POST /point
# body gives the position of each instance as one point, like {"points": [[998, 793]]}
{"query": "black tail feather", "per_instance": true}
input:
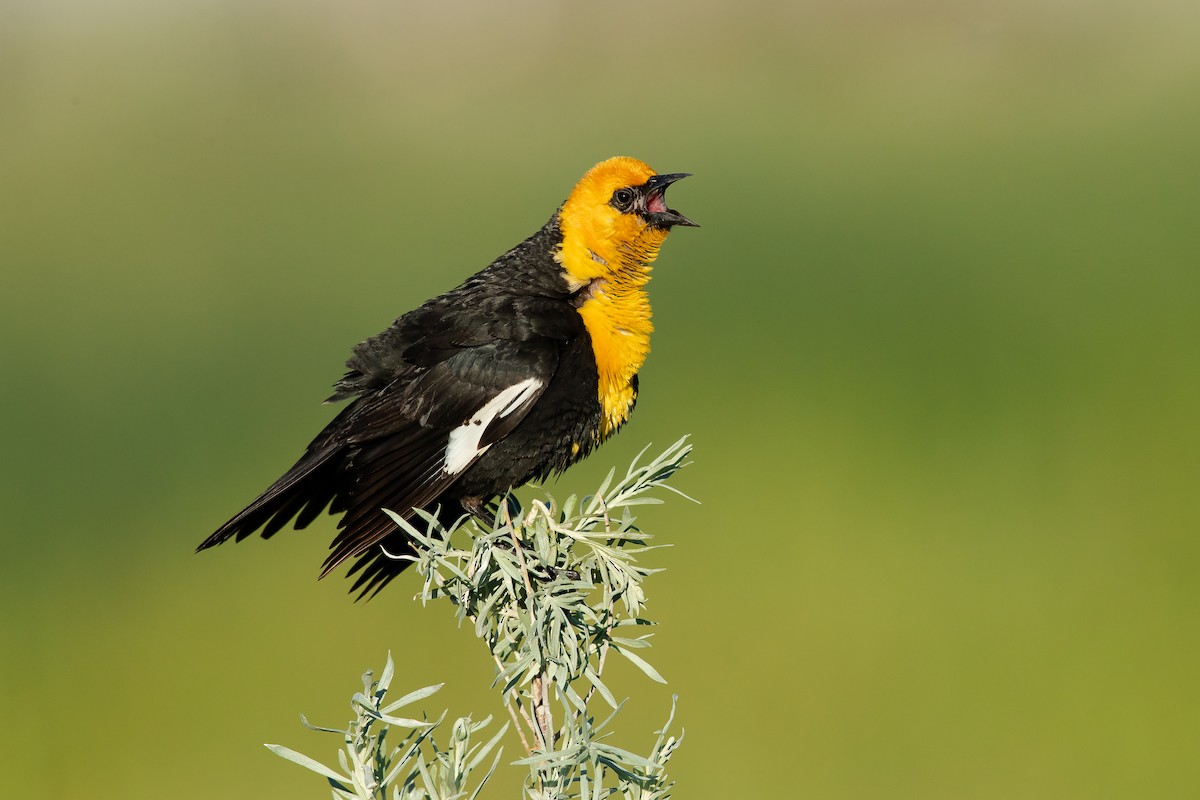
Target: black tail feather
{"points": [[377, 566], [312, 481]]}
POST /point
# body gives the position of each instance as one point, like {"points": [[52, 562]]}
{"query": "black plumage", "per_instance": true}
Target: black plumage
{"points": [[481, 389]]}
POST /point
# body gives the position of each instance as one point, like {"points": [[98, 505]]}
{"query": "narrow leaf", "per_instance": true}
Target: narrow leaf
{"points": [[307, 763], [412, 697], [641, 664]]}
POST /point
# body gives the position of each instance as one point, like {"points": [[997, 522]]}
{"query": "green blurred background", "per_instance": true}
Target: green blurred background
{"points": [[938, 345]]}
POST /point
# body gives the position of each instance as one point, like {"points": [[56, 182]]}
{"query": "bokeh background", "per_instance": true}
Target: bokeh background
{"points": [[937, 344]]}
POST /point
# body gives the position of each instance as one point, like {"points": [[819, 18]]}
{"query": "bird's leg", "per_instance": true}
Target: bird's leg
{"points": [[480, 509]]}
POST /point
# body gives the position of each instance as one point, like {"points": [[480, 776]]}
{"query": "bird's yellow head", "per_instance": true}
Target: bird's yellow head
{"points": [[615, 220], [612, 226]]}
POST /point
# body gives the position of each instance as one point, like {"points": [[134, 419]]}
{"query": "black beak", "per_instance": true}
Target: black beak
{"points": [[657, 213]]}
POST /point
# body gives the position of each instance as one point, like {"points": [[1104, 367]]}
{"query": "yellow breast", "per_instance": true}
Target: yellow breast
{"points": [[619, 325], [606, 256]]}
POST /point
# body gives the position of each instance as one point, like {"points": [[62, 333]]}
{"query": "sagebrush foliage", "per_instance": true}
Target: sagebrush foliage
{"points": [[551, 590]]}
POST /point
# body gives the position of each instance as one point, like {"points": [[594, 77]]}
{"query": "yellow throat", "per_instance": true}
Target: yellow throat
{"points": [[606, 256]]}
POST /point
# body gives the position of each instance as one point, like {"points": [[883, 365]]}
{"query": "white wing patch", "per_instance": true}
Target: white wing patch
{"points": [[463, 447]]}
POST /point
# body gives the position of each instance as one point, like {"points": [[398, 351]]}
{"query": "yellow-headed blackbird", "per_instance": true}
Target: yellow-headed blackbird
{"points": [[513, 376]]}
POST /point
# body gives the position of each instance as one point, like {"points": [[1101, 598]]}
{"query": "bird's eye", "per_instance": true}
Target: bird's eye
{"points": [[622, 198]]}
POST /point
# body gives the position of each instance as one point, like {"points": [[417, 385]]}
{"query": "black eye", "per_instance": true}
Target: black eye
{"points": [[622, 198]]}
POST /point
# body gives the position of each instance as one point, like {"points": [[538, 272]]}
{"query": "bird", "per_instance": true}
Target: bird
{"points": [[512, 376]]}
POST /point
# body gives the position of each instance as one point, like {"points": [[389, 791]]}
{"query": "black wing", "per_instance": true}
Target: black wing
{"points": [[498, 335], [403, 445], [414, 439]]}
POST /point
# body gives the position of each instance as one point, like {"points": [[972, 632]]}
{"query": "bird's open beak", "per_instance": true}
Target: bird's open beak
{"points": [[657, 212]]}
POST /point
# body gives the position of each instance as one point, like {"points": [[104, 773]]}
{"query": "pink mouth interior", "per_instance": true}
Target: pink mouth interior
{"points": [[655, 204]]}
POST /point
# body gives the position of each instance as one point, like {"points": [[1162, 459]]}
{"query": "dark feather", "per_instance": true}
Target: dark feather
{"points": [[311, 474], [430, 372]]}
